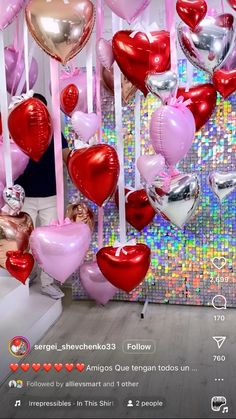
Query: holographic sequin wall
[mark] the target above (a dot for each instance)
(181, 270)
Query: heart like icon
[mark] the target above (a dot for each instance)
(14, 367)
(219, 262)
(36, 367)
(69, 367)
(25, 367)
(47, 367)
(58, 367)
(80, 367)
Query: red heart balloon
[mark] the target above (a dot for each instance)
(126, 270)
(19, 265)
(69, 98)
(138, 210)
(191, 11)
(203, 98)
(95, 171)
(232, 3)
(137, 56)
(30, 127)
(225, 82)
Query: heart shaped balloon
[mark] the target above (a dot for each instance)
(95, 171)
(127, 269)
(232, 3)
(128, 10)
(60, 249)
(222, 183)
(176, 135)
(77, 77)
(69, 98)
(138, 211)
(30, 127)
(19, 162)
(15, 232)
(105, 53)
(191, 11)
(80, 212)
(208, 46)
(14, 198)
(19, 265)
(15, 68)
(203, 97)
(178, 204)
(150, 166)
(95, 284)
(162, 85)
(225, 82)
(8, 11)
(137, 55)
(85, 124)
(128, 90)
(61, 28)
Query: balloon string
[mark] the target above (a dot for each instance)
(89, 75)
(19, 41)
(54, 68)
(99, 33)
(117, 25)
(4, 115)
(222, 6)
(22, 80)
(26, 55)
(189, 80)
(137, 118)
(170, 24)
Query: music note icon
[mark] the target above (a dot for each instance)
(225, 409)
(18, 403)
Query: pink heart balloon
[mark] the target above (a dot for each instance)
(150, 166)
(79, 78)
(128, 9)
(95, 284)
(105, 53)
(174, 139)
(85, 124)
(19, 162)
(60, 249)
(8, 11)
(15, 69)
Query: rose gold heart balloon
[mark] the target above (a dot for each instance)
(127, 88)
(60, 28)
(14, 234)
(80, 212)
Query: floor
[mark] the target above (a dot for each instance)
(182, 338)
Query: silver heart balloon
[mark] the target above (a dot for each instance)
(179, 203)
(222, 183)
(208, 46)
(162, 85)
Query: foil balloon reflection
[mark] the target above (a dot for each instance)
(14, 198)
(80, 212)
(208, 46)
(14, 234)
(162, 85)
(61, 29)
(222, 183)
(178, 202)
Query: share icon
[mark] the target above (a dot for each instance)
(219, 340)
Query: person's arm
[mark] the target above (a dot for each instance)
(65, 149)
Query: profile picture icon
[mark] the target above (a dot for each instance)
(19, 346)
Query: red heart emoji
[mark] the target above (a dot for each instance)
(138, 210)
(80, 367)
(14, 367)
(47, 367)
(225, 82)
(36, 367)
(126, 270)
(137, 56)
(58, 367)
(69, 98)
(95, 171)
(25, 367)
(191, 11)
(19, 265)
(203, 97)
(69, 367)
(31, 128)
